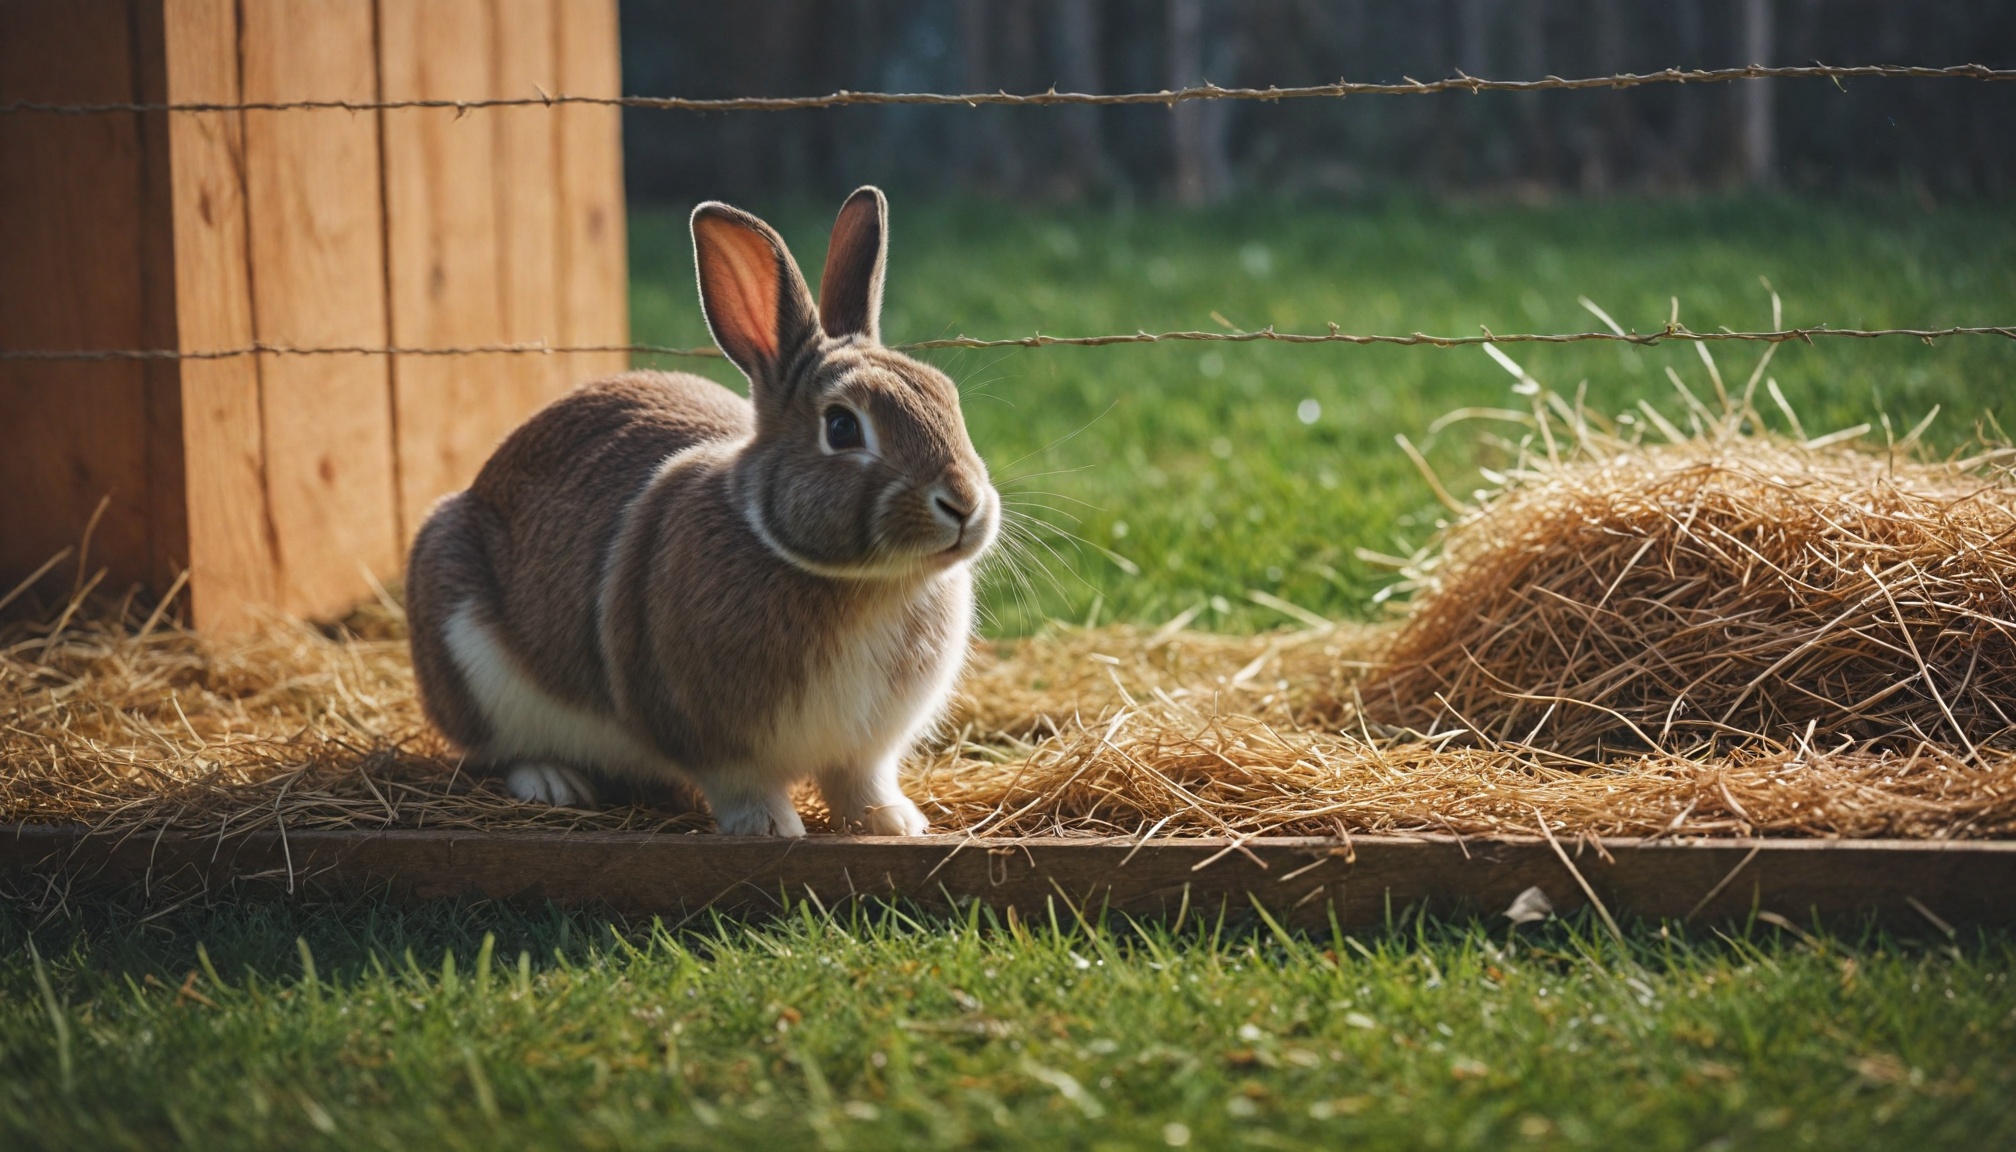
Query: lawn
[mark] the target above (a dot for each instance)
(458, 1026)
(1167, 477)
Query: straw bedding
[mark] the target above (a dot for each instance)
(1728, 635)
(1719, 592)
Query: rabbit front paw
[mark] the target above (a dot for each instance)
(896, 816)
(755, 814)
(871, 802)
(553, 784)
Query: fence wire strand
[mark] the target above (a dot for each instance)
(1461, 82)
(1040, 340)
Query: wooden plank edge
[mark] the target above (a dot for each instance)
(1300, 881)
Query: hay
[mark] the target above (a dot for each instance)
(1730, 635)
(1074, 733)
(1722, 591)
(1161, 769)
(110, 726)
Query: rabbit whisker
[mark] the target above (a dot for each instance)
(1034, 505)
(1065, 437)
(1036, 539)
(1038, 475)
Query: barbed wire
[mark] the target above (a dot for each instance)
(1040, 340)
(1335, 336)
(1461, 82)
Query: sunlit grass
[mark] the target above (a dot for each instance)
(475, 1026)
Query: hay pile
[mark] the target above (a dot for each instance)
(1727, 635)
(1719, 592)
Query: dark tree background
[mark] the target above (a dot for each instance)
(1940, 136)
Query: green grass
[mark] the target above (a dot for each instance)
(1189, 461)
(870, 1030)
(876, 1031)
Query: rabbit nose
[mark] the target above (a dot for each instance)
(949, 508)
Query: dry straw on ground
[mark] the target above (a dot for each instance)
(1720, 590)
(1730, 633)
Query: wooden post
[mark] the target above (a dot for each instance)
(75, 228)
(288, 482)
(594, 303)
(236, 566)
(530, 273)
(314, 203)
(441, 245)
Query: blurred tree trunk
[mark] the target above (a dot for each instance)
(1468, 141)
(1199, 128)
(867, 160)
(1685, 147)
(745, 144)
(1078, 71)
(988, 158)
(1024, 139)
(1760, 145)
(1473, 20)
(1529, 43)
(1602, 139)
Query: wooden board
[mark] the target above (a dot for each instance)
(595, 307)
(73, 233)
(474, 227)
(318, 253)
(441, 179)
(166, 507)
(233, 553)
(1304, 882)
(528, 205)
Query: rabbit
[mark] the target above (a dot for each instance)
(654, 582)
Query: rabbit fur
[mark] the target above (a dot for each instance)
(654, 582)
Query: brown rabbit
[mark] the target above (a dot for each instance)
(654, 581)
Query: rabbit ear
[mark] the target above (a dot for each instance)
(850, 291)
(756, 302)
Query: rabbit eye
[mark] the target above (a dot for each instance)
(843, 430)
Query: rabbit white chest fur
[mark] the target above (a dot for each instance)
(873, 698)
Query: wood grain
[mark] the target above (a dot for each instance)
(595, 307)
(72, 241)
(1302, 882)
(166, 463)
(280, 481)
(232, 546)
(441, 221)
(528, 203)
(317, 245)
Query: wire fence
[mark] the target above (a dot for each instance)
(1461, 82)
(1040, 340)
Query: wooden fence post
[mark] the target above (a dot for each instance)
(288, 482)
(78, 215)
